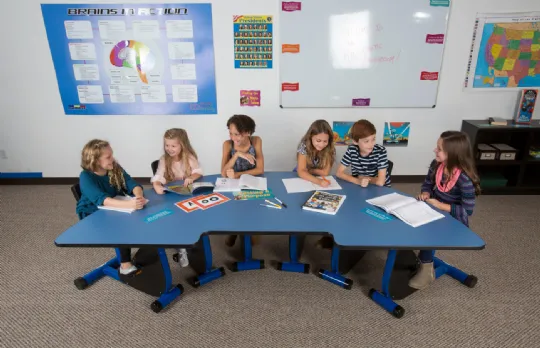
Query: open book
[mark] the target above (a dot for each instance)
(246, 182)
(295, 185)
(324, 202)
(409, 210)
(195, 188)
(122, 210)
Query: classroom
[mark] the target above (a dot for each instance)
(345, 173)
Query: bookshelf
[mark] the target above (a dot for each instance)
(516, 177)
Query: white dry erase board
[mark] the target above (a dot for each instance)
(361, 53)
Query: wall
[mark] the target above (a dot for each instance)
(37, 137)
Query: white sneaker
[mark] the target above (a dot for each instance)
(184, 261)
(127, 271)
(424, 277)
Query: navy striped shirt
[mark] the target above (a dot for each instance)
(368, 165)
(461, 197)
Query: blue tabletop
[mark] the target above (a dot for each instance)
(350, 227)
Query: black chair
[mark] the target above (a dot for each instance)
(76, 190)
(390, 167)
(154, 166)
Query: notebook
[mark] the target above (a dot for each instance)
(246, 182)
(295, 185)
(195, 188)
(409, 210)
(324, 202)
(122, 210)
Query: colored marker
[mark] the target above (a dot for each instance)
(280, 202)
(274, 204)
(270, 206)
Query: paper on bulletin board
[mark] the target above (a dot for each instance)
(250, 98)
(396, 133)
(342, 133)
(253, 42)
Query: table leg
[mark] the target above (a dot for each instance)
(396, 277)
(159, 274)
(249, 263)
(442, 268)
(334, 276)
(209, 273)
(296, 244)
(173, 290)
(383, 298)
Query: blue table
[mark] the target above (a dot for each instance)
(351, 228)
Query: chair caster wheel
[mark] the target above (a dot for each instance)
(398, 312)
(80, 283)
(156, 306)
(176, 257)
(470, 281)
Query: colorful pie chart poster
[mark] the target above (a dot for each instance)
(133, 59)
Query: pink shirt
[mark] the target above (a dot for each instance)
(178, 170)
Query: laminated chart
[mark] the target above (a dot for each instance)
(133, 59)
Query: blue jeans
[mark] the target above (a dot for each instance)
(425, 256)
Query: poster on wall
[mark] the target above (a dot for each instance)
(253, 42)
(250, 98)
(396, 133)
(342, 133)
(505, 52)
(133, 59)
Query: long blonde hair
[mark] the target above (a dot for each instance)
(327, 155)
(91, 153)
(186, 151)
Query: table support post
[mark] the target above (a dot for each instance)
(295, 249)
(249, 263)
(209, 273)
(334, 275)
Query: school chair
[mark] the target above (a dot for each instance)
(390, 167)
(76, 190)
(154, 166)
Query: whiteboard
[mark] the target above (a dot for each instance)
(361, 53)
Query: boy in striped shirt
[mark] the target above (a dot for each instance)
(368, 161)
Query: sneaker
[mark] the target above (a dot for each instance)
(128, 271)
(184, 261)
(424, 276)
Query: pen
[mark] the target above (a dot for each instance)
(325, 179)
(280, 202)
(274, 204)
(270, 206)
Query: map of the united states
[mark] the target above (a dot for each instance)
(512, 54)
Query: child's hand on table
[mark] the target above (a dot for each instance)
(230, 173)
(423, 196)
(188, 181)
(159, 189)
(324, 182)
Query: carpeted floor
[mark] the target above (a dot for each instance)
(40, 306)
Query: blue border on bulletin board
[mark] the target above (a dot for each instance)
(133, 59)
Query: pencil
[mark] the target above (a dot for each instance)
(270, 206)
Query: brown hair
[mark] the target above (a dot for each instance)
(327, 155)
(362, 129)
(90, 155)
(243, 123)
(459, 155)
(186, 152)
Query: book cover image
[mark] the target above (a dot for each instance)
(396, 133)
(324, 202)
(252, 195)
(526, 105)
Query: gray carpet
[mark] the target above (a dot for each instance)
(40, 307)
